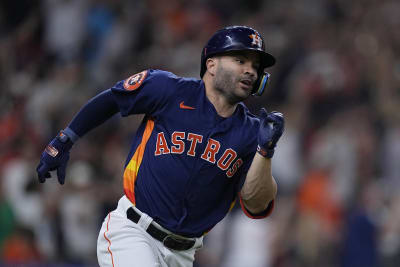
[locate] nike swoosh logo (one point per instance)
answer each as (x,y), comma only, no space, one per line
(183,106)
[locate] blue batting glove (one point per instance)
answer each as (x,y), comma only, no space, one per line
(55,157)
(271,129)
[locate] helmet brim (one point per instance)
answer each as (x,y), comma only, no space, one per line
(267,60)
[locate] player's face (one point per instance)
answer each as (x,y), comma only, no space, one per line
(236,74)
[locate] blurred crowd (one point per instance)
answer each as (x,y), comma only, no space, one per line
(337,81)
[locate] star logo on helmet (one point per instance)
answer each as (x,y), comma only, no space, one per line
(257,41)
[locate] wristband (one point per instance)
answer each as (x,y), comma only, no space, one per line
(265,153)
(70,134)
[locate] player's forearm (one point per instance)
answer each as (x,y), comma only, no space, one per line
(99,109)
(260,187)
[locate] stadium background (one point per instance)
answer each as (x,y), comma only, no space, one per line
(337,81)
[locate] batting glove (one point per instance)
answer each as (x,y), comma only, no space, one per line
(55,157)
(271,129)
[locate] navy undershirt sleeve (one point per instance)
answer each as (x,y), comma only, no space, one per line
(99,109)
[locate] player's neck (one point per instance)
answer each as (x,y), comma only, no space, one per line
(221,104)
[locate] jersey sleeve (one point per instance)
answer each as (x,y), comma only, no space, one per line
(146,92)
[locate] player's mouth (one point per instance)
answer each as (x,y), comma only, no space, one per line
(246,83)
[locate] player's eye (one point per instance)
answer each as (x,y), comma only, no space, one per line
(240,61)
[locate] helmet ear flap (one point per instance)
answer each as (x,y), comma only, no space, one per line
(261,83)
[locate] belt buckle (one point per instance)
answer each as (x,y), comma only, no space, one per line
(176,243)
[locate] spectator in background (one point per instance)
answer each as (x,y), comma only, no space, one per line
(79,213)
(65,29)
(20,248)
(360,243)
(7,219)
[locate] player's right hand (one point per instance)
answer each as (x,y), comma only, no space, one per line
(55,157)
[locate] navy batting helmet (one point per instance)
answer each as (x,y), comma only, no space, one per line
(238,38)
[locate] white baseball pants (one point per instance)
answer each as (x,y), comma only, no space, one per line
(123,243)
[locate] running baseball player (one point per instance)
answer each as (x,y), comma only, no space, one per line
(197,151)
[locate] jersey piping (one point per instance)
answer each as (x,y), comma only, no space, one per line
(132,169)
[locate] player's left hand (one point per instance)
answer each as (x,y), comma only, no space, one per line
(55,157)
(271,129)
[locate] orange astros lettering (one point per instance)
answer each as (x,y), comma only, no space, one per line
(228,161)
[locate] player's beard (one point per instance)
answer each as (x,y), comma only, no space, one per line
(226,83)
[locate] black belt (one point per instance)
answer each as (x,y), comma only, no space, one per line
(169,240)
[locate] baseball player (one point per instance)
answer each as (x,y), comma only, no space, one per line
(196,152)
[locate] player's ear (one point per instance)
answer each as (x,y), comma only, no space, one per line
(211,65)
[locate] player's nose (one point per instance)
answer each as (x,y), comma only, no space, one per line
(250,69)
